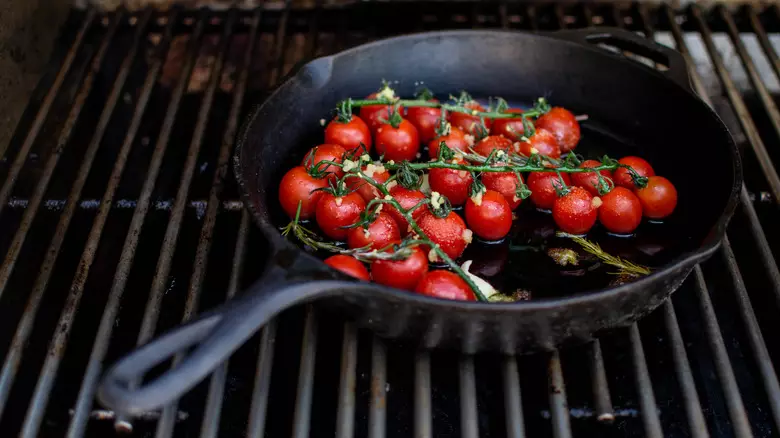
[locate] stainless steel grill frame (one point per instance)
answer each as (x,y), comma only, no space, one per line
(114,123)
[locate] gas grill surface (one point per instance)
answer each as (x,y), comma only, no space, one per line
(120,218)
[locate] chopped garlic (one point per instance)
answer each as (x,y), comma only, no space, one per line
(391,184)
(486,288)
(477,198)
(500,153)
(469,139)
(391,162)
(468,235)
(386,93)
(369,170)
(474,112)
(365,157)
(339,200)
(463,173)
(379,209)
(534,151)
(418,155)
(433,256)
(425,187)
(322,122)
(596,202)
(436,200)
(516,145)
(348,165)
(366,233)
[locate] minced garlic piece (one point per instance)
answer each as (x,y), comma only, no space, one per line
(596,202)
(365,157)
(348,165)
(391,184)
(366,233)
(339,200)
(463,173)
(391,162)
(386,93)
(436,200)
(322,122)
(433,256)
(425,187)
(379,209)
(469,139)
(388,198)
(516,146)
(474,112)
(534,151)
(500,153)
(477,198)
(369,170)
(468,235)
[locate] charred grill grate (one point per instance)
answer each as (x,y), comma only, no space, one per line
(125,222)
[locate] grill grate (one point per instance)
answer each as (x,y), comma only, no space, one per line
(117,183)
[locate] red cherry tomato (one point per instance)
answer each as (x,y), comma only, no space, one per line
(492,142)
(451,183)
(589,180)
(658,198)
(397,144)
(620,211)
(366,190)
(445,284)
(407,199)
(562,123)
(381,232)
(455,140)
(348,135)
(543,185)
(505,183)
(542,141)
(375,115)
(325,152)
(512,128)
(466,122)
(348,265)
(576,212)
(622,177)
(401,274)
(334,213)
(489,216)
(425,120)
(450,232)
(297,185)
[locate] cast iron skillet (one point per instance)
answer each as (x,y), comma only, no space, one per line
(656,111)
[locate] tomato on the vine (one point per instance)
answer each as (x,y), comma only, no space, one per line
(506,183)
(622,176)
(449,232)
(398,141)
(470,124)
(576,211)
(589,180)
(445,284)
(512,128)
(407,199)
(425,119)
(542,142)
(401,274)
(455,140)
(334,213)
(489,215)
(298,185)
(563,125)
(350,135)
(658,197)
(543,187)
(348,265)
(620,211)
(492,142)
(375,115)
(378,234)
(453,184)
(325,152)
(376,172)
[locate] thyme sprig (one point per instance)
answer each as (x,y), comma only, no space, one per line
(624,266)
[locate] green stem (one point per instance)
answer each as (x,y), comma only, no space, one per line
(447,106)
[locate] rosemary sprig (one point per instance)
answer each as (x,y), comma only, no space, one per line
(624,266)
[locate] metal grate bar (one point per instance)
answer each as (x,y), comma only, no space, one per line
(12,255)
(423,415)
(265,362)
(600,387)
(281,41)
(217,386)
(107,321)
(770,265)
(345,416)
(468,398)
(378,405)
(168,418)
(746,122)
(763,39)
(559,407)
(43,111)
(302,419)
(515,424)
(644,386)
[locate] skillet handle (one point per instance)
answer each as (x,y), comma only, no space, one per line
(215,335)
(677,67)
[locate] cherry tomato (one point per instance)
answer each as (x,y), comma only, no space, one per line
(622,177)
(512,128)
(576,211)
(377,173)
(455,140)
(397,144)
(489,215)
(658,198)
(325,152)
(589,180)
(381,232)
(425,120)
(564,126)
(543,142)
(335,212)
(407,199)
(466,122)
(620,211)
(492,142)
(375,115)
(450,232)
(349,135)
(543,185)
(445,284)
(401,274)
(297,185)
(451,183)
(505,183)
(348,265)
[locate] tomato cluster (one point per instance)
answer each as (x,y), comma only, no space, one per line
(338,182)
